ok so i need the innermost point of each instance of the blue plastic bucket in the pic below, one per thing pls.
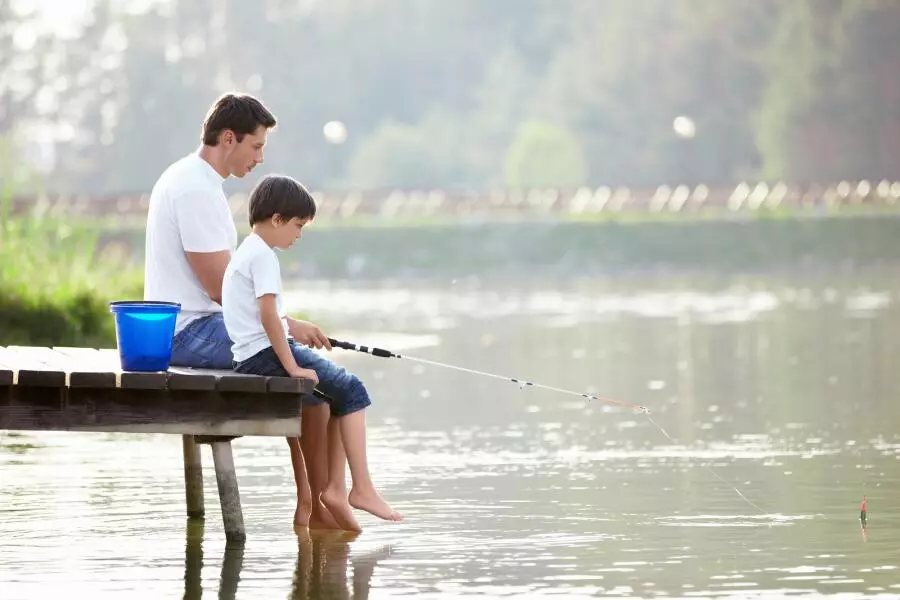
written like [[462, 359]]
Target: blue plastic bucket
[[144, 332]]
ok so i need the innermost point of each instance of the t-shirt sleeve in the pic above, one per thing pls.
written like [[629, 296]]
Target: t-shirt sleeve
[[201, 226], [266, 274]]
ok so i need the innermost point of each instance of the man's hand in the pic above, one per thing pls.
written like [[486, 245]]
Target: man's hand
[[301, 373], [308, 334]]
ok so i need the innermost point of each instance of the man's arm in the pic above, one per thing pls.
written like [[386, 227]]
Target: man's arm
[[209, 267]]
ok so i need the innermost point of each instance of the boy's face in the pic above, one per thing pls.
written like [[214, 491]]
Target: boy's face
[[287, 232], [247, 153]]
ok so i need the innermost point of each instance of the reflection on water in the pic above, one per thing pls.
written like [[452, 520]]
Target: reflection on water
[[785, 392], [323, 567]]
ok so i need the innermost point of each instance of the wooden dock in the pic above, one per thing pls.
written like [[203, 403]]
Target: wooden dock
[[83, 389]]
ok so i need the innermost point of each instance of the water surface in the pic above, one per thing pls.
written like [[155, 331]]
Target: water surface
[[785, 390]]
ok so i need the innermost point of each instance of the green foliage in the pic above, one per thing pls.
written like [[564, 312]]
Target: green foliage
[[55, 282], [434, 93], [830, 110], [407, 156], [545, 155]]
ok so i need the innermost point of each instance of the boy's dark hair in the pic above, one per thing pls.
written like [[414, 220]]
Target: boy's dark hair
[[280, 195], [241, 113]]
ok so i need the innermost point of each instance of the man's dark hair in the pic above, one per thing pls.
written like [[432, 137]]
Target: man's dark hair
[[241, 113], [280, 195]]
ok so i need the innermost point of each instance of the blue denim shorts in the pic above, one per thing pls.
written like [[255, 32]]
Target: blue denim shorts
[[343, 391], [203, 344]]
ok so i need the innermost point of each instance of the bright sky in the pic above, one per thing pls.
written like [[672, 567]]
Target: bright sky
[[58, 15], [62, 16]]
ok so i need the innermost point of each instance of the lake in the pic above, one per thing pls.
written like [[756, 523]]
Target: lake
[[774, 407]]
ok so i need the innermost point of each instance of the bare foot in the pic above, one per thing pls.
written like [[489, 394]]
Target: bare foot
[[372, 503], [335, 501], [302, 515], [321, 518]]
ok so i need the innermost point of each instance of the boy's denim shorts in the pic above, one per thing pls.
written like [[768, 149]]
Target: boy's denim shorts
[[343, 390]]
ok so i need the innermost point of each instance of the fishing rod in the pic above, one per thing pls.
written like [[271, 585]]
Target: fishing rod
[[382, 353], [522, 383]]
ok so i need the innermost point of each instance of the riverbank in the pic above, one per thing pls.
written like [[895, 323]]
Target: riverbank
[[56, 282]]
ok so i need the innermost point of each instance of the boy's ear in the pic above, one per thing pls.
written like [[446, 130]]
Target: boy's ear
[[277, 220]]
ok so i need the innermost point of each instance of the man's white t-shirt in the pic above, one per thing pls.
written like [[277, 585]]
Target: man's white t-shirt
[[253, 272], [188, 213]]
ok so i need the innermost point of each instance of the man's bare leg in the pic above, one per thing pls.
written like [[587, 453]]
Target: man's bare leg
[[314, 443], [339, 507], [363, 494]]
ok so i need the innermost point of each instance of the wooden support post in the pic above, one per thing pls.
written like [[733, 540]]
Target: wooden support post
[[193, 477], [229, 496]]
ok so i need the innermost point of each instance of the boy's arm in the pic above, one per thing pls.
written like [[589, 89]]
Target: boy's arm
[[308, 334], [268, 314]]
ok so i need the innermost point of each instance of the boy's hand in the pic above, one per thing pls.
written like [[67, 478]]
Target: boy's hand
[[308, 334], [300, 373]]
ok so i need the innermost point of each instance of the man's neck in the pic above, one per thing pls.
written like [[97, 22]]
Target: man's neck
[[211, 155]]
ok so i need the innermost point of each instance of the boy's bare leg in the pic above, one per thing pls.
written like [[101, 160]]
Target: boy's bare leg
[[313, 442], [339, 507], [362, 495]]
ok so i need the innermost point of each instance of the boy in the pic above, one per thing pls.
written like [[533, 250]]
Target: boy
[[256, 322]]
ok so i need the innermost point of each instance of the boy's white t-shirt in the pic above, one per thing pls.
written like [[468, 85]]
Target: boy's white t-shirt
[[253, 272], [188, 213]]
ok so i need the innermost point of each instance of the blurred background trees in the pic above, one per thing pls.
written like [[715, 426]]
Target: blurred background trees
[[102, 95]]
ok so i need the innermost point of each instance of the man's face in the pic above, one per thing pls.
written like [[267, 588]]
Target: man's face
[[247, 153]]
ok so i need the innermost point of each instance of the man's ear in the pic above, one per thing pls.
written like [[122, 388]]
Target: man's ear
[[227, 137]]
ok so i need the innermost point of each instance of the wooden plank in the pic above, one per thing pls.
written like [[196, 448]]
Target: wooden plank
[[31, 367], [229, 381], [132, 380], [191, 381], [289, 385], [88, 356], [238, 382], [150, 411], [224, 380], [84, 370], [107, 361]]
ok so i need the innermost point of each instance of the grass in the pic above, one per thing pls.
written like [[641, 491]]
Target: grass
[[56, 282]]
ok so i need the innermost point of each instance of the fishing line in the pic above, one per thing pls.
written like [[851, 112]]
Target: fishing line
[[522, 383]]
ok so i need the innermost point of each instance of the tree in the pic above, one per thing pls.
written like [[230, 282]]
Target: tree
[[399, 155], [545, 155], [831, 111]]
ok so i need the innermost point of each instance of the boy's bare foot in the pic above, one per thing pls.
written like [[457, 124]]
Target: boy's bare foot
[[335, 500], [321, 518], [372, 503]]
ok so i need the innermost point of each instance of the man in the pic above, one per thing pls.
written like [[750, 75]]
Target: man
[[190, 238]]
